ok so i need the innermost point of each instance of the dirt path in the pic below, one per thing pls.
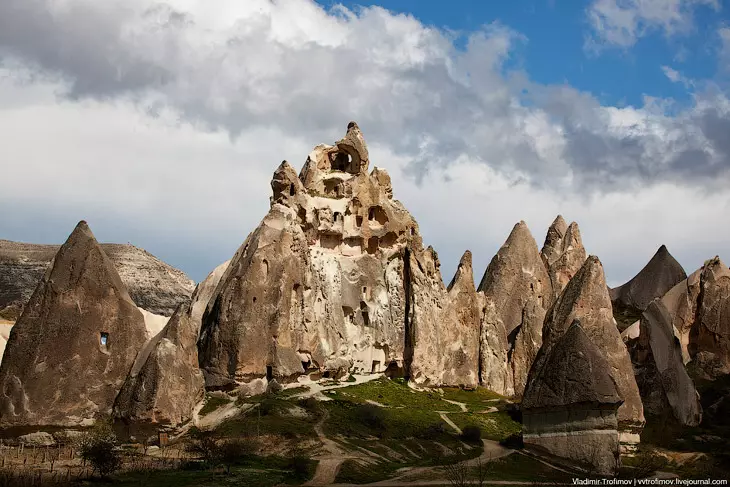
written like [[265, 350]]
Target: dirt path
[[448, 421], [328, 464]]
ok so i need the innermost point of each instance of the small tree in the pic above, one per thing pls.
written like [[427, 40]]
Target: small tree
[[458, 474], [97, 446], [203, 444], [235, 450], [471, 434]]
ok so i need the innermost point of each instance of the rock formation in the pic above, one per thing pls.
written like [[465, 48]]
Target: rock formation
[[563, 254], [666, 389], [681, 304], [74, 344], [657, 277], [517, 290], [586, 298], [166, 383], [152, 284], [570, 405], [709, 341], [335, 278]]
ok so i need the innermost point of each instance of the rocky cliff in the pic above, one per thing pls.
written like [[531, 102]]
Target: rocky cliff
[[152, 284], [336, 278]]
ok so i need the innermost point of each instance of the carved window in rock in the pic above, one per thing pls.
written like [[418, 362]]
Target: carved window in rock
[[342, 161], [269, 372], [292, 190], [365, 314], [336, 217], [377, 214], [104, 340]]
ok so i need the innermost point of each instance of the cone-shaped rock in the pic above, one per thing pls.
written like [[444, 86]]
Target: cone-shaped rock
[[570, 405], [516, 289], [78, 335], [563, 254], [657, 277], [709, 341], [460, 334], [166, 383], [586, 298], [334, 279], [666, 389]]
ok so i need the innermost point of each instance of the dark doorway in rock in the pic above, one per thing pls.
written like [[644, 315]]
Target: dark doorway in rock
[[358, 220], [393, 371], [336, 216], [104, 340], [376, 366], [292, 191], [365, 315], [269, 372], [305, 365]]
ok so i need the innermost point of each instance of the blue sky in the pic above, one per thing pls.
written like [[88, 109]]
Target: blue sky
[[161, 122], [554, 51]]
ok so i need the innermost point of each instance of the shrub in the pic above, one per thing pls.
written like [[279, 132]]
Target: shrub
[[371, 416], [203, 444], [434, 430], [471, 434], [97, 446], [309, 404], [235, 451], [267, 407], [298, 462]]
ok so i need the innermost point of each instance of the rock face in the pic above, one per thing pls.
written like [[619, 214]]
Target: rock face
[[75, 342], [709, 341], [335, 278], [570, 404], [666, 389], [586, 299], [166, 383], [517, 290], [657, 277], [563, 254], [681, 303], [152, 284]]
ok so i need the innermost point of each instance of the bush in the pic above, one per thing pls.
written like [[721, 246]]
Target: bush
[[203, 444], [97, 446], [309, 404], [267, 407], [371, 416], [434, 430], [235, 451], [471, 434]]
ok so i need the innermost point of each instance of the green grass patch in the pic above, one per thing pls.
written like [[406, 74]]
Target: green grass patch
[[294, 391], [212, 403], [259, 471], [358, 420], [394, 393], [495, 426], [475, 400], [522, 468]]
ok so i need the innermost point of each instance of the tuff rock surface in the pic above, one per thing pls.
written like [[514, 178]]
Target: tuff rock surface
[[709, 341], [71, 349], [516, 291], [570, 404], [563, 254], [586, 299], [681, 304], [657, 277], [666, 389], [152, 284], [166, 383], [335, 278]]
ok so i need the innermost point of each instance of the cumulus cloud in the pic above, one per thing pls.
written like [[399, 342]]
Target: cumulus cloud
[[162, 123], [620, 23]]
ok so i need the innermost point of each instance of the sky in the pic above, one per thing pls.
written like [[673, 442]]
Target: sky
[[162, 122]]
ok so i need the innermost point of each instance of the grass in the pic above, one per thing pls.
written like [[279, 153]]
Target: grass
[[212, 403], [394, 393], [495, 426], [521, 468], [350, 420], [476, 400], [259, 471]]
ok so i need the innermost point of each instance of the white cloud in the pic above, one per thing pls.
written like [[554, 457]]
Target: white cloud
[[163, 126], [620, 23]]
